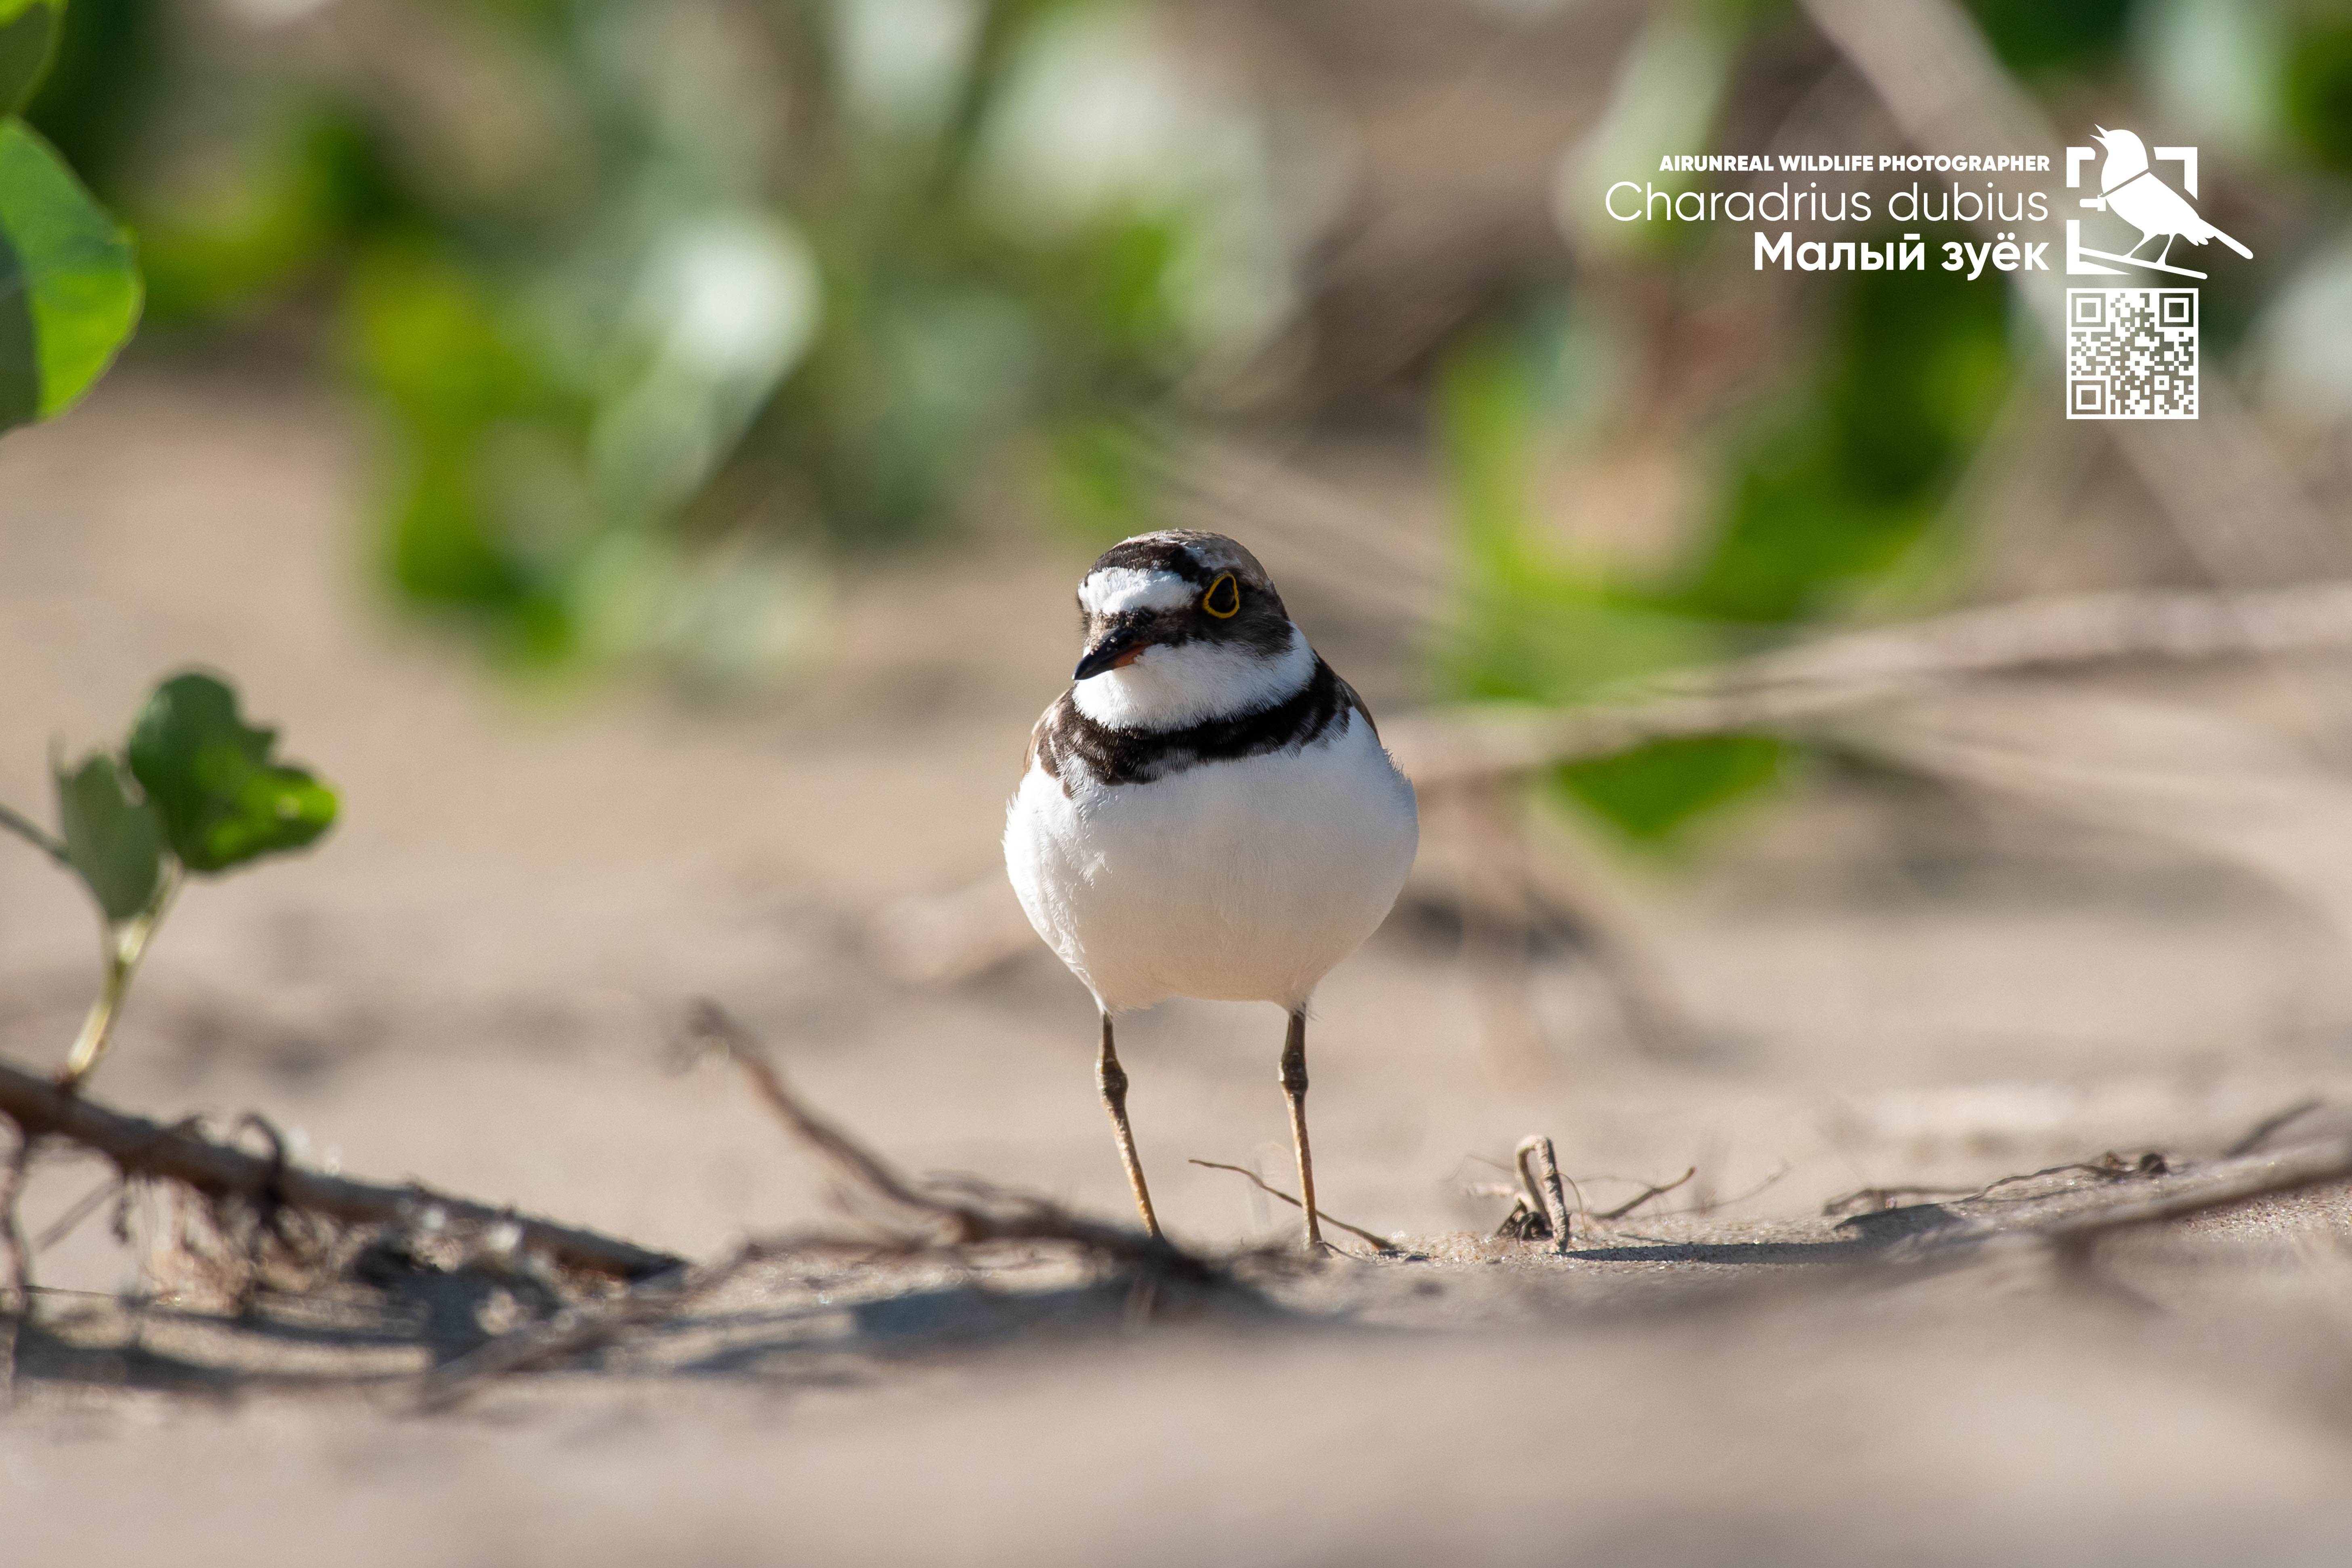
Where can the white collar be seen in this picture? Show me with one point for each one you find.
(1176, 686)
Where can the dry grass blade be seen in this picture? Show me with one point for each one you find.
(12, 1230)
(88, 1204)
(2263, 1131)
(1656, 1189)
(977, 1214)
(16, 1305)
(1713, 1205)
(1270, 1190)
(219, 1171)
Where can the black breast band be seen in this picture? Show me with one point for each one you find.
(1066, 737)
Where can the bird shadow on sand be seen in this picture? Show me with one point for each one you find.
(1856, 1239)
(785, 1333)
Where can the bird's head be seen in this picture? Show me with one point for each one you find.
(1180, 628)
(2126, 153)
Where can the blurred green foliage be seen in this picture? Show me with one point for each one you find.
(69, 288)
(666, 307)
(2318, 91)
(663, 305)
(28, 41)
(1851, 473)
(2041, 37)
(103, 87)
(1840, 484)
(1833, 492)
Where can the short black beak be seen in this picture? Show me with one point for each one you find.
(1117, 645)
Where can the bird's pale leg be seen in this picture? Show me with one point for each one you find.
(1294, 1085)
(1111, 1079)
(2168, 249)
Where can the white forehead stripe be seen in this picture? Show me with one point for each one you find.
(1115, 589)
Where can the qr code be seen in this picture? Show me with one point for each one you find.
(2131, 353)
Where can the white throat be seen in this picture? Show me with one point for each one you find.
(1175, 687)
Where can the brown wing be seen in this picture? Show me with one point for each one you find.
(1041, 752)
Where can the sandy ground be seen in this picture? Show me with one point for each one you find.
(470, 984)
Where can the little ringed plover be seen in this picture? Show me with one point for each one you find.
(1208, 810)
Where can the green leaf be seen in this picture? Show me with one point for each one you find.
(70, 290)
(28, 41)
(224, 800)
(115, 843)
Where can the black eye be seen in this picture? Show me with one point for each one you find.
(1223, 599)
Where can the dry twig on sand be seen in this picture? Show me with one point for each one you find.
(1539, 1209)
(911, 1220)
(2158, 1193)
(223, 1173)
(2224, 1186)
(932, 1219)
(2110, 1167)
(1656, 1189)
(1515, 1224)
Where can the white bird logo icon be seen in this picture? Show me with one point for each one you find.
(2132, 191)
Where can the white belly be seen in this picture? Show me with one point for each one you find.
(1239, 881)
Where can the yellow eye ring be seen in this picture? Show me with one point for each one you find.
(1233, 596)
